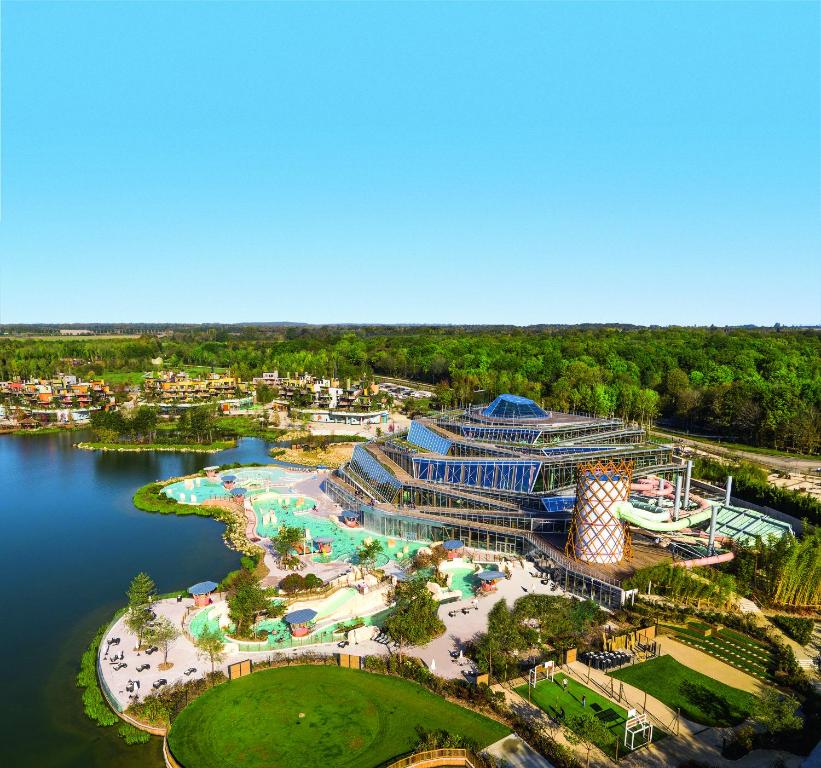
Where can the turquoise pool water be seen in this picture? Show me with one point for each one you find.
(279, 636)
(345, 540)
(276, 504)
(464, 581)
(256, 479)
(203, 621)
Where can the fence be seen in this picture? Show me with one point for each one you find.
(436, 757)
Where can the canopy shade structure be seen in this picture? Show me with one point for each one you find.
(302, 616)
(210, 469)
(349, 514)
(514, 407)
(452, 544)
(402, 576)
(238, 491)
(203, 588)
(490, 576)
(323, 539)
(228, 478)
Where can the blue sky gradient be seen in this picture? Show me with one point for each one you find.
(646, 162)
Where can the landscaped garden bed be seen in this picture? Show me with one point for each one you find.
(732, 647)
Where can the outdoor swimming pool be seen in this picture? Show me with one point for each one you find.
(195, 490)
(464, 580)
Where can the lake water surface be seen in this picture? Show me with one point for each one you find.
(71, 541)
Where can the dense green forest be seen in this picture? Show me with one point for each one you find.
(760, 386)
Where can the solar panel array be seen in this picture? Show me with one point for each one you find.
(558, 503)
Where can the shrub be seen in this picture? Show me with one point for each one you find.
(131, 735)
(293, 582)
(94, 705)
(312, 581)
(799, 629)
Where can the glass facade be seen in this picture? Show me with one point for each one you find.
(495, 475)
(514, 407)
(377, 477)
(502, 434)
(421, 436)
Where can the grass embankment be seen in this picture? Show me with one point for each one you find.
(700, 698)
(731, 446)
(314, 717)
(727, 645)
(94, 703)
(561, 704)
(212, 447)
(150, 498)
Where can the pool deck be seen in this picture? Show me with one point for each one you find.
(183, 654)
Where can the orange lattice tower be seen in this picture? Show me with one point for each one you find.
(597, 534)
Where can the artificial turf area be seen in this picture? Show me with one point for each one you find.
(559, 704)
(700, 698)
(351, 719)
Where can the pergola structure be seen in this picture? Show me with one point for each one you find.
(489, 579)
(201, 592)
(300, 622)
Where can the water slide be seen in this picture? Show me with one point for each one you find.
(657, 521)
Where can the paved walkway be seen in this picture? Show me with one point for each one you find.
(463, 626)
(511, 751)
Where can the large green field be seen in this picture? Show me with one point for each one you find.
(700, 698)
(350, 719)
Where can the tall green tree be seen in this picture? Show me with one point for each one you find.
(211, 645)
(368, 553)
(414, 619)
(141, 598)
(162, 633)
(247, 600)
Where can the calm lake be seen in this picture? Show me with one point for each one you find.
(71, 542)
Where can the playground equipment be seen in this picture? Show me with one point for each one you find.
(546, 671)
(638, 730)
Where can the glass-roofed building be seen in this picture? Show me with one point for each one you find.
(498, 476)
(501, 477)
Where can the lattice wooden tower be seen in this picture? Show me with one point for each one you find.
(597, 534)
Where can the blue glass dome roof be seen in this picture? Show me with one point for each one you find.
(514, 407)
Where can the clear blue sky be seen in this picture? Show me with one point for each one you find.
(646, 162)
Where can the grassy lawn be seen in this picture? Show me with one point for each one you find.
(700, 698)
(552, 698)
(130, 378)
(351, 719)
(247, 426)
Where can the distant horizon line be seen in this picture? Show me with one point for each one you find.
(79, 325)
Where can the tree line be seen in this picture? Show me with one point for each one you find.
(759, 386)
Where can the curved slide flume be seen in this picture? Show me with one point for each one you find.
(653, 521)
